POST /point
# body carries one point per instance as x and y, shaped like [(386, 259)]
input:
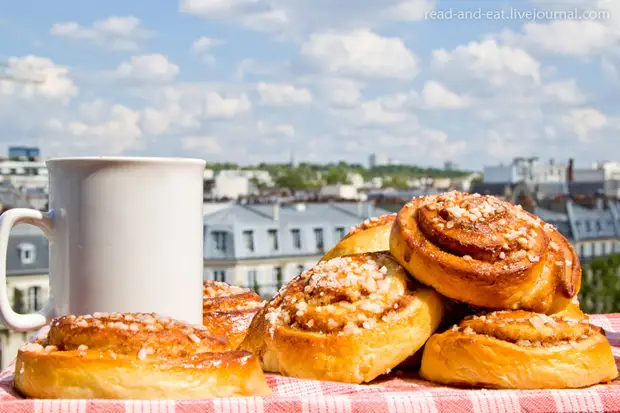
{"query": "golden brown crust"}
[(134, 356), (373, 235), (485, 252), (519, 350), (227, 310), (349, 319)]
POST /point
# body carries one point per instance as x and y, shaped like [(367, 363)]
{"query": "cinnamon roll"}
[(519, 350), (227, 310), (372, 235), (349, 319), (486, 252), (134, 356)]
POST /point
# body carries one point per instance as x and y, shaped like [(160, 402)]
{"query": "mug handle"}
[(10, 218)]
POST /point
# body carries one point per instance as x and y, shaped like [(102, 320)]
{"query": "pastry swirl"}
[(134, 356), (485, 252), (349, 319), (372, 235), (519, 350), (227, 310)]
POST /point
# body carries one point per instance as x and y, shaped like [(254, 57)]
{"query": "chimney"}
[(570, 173)]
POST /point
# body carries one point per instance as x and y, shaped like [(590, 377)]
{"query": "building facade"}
[(27, 265), (592, 232), (529, 170), (264, 246)]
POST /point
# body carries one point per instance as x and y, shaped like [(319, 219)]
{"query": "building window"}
[(35, 301), (296, 234), (248, 238), (277, 274), (273, 239), (253, 280), (219, 237), (318, 237), (599, 227), (219, 275), (27, 253), (339, 233), (588, 226)]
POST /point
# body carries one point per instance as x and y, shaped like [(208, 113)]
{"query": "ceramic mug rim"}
[(124, 159)]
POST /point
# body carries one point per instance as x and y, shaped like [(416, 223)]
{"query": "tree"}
[(600, 285), (337, 175)]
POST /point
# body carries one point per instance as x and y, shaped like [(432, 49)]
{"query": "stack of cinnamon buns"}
[(467, 289)]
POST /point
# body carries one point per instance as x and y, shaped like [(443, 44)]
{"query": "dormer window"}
[(27, 253)]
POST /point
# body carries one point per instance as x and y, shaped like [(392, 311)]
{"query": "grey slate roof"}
[(12, 197), (579, 223), (21, 235)]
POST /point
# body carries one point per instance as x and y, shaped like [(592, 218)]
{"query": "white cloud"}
[(282, 94), (598, 33), (218, 106), (437, 96), (203, 144), (564, 91), (409, 10), (205, 43), (385, 110), (116, 32), (268, 129), (33, 77), (148, 67), (116, 130), (489, 62), (360, 52), (585, 123), (303, 16), (155, 122), (340, 91)]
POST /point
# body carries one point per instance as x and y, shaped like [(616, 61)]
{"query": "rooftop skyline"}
[(252, 82)]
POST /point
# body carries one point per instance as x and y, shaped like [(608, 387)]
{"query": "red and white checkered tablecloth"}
[(397, 394)]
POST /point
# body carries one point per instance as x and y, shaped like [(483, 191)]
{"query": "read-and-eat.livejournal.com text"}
[(513, 13)]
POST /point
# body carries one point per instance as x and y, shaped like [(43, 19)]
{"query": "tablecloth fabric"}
[(396, 394)]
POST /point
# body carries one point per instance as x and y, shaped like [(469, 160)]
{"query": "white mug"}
[(126, 235)]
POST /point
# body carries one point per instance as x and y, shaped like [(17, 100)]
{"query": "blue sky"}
[(254, 80)]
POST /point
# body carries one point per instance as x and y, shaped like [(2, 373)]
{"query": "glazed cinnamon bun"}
[(349, 319), (134, 356), (519, 350), (227, 310), (373, 235), (485, 252)]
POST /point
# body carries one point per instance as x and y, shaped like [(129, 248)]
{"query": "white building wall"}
[(232, 187), (499, 174)]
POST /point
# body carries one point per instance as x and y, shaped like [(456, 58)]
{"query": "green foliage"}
[(216, 167), (600, 285), (306, 176), (336, 175)]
